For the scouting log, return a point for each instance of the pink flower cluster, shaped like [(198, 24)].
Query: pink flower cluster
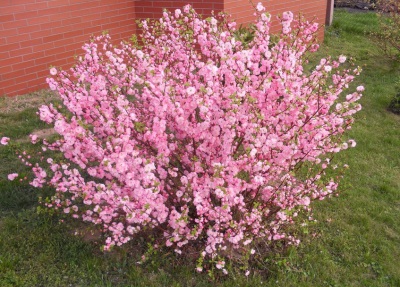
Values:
[(196, 135)]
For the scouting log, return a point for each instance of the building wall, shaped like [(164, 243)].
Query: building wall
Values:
[(35, 34), (243, 12), (153, 8)]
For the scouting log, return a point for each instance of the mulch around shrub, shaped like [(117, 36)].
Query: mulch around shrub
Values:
[(356, 4)]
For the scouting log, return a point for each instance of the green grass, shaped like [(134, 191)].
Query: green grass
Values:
[(355, 241)]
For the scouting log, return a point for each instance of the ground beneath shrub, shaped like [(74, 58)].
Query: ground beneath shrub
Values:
[(20, 103), (359, 5)]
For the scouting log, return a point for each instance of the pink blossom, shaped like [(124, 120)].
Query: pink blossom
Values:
[(220, 264), (260, 7), (4, 140), (342, 59), (191, 91), (53, 71), (187, 8), (33, 138), (12, 176), (306, 201), (287, 16), (352, 143), (360, 89), (178, 12)]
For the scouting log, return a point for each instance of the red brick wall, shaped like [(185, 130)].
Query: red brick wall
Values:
[(242, 11), (153, 8), (35, 34)]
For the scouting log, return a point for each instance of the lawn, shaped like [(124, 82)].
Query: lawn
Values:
[(355, 241)]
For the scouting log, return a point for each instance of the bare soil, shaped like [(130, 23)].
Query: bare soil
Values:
[(33, 100)]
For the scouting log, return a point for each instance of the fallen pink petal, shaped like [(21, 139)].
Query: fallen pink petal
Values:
[(12, 176), (4, 140)]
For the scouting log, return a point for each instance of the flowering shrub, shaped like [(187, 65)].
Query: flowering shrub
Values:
[(388, 36), (206, 142)]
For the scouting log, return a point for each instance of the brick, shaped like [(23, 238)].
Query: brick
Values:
[(66, 55), (65, 29), (47, 61), (5, 69), (26, 15), (82, 6), (60, 16), (44, 73), (8, 47), (42, 66), (16, 89), (8, 9), (36, 6), (92, 30), (76, 47), (53, 38), (81, 1), (14, 24), (19, 2), (31, 43), (19, 52), (33, 56), (4, 55), (60, 63), (23, 65), (6, 18), (43, 47), (58, 3), (90, 17), (53, 24), (8, 83), (62, 43), (8, 33), (39, 20), (29, 29), (72, 34), (12, 75), (40, 34), (17, 38), (38, 82), (74, 20), (5, 3), (58, 50)]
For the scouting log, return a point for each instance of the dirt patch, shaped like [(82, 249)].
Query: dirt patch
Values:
[(356, 10), (42, 134), (33, 100), (356, 4), (89, 234)]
